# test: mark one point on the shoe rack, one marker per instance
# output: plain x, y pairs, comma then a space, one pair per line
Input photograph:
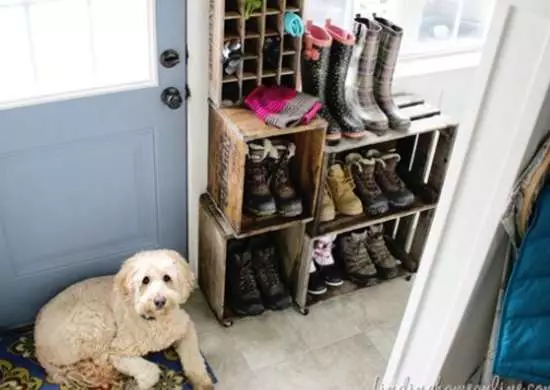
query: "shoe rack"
228, 22
425, 150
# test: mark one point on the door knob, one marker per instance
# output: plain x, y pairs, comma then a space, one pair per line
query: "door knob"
169, 58
172, 98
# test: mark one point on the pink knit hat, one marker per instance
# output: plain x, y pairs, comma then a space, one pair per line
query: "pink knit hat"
282, 107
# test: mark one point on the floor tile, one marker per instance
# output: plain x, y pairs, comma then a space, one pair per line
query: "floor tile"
352, 364
267, 340
326, 323
382, 339
200, 313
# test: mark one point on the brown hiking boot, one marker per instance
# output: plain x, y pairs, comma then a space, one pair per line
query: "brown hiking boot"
289, 204
341, 187
362, 171
257, 196
328, 212
383, 260
394, 188
359, 266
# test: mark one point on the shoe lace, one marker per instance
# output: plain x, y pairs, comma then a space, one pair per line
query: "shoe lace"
343, 185
359, 252
391, 175
378, 247
247, 282
259, 173
267, 269
281, 173
367, 181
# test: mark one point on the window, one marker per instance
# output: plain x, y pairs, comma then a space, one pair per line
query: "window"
431, 26
51, 48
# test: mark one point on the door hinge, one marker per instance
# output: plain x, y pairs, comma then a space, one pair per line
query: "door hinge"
187, 92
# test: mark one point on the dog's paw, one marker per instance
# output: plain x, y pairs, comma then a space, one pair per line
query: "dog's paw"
147, 380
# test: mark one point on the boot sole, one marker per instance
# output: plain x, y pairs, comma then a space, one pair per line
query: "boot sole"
373, 280
317, 293
334, 284
355, 135
258, 213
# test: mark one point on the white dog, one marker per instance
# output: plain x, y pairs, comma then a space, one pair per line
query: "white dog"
101, 327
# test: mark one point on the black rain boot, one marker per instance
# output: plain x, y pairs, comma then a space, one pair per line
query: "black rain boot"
390, 42
370, 113
340, 57
315, 61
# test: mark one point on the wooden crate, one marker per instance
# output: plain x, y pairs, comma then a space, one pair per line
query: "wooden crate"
214, 236
230, 130
227, 21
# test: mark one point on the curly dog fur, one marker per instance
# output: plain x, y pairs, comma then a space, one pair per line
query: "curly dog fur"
98, 329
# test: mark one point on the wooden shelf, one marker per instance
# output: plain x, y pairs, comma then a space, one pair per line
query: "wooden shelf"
292, 9
230, 78
250, 56
287, 71
289, 52
269, 73
272, 11
252, 34
345, 223
253, 226
232, 15
251, 127
418, 126
249, 76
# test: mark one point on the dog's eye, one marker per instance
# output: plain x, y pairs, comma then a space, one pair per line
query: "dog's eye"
167, 278
145, 280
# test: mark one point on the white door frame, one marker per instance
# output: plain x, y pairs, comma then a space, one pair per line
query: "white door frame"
197, 119
513, 82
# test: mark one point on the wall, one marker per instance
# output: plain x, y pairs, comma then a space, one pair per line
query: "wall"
470, 345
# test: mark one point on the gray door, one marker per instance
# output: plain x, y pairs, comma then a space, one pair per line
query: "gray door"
87, 181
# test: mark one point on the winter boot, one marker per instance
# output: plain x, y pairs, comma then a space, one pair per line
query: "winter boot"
359, 266
368, 110
316, 284
322, 256
340, 57
362, 171
328, 212
315, 61
257, 196
394, 188
383, 260
243, 295
289, 204
390, 42
341, 187
266, 263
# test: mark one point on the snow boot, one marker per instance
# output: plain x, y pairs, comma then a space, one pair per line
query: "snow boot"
257, 196
362, 170
289, 203
385, 263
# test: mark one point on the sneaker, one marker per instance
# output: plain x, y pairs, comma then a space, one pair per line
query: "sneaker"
243, 295
362, 171
341, 187
385, 263
386, 176
287, 200
328, 212
265, 264
316, 285
322, 256
257, 196
359, 266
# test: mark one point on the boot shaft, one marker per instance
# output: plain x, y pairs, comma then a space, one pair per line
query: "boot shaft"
282, 153
369, 55
315, 61
378, 250
355, 254
257, 167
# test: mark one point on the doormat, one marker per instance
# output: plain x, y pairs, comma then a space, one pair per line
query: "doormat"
19, 369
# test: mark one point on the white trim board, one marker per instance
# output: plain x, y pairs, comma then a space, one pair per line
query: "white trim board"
514, 81
197, 120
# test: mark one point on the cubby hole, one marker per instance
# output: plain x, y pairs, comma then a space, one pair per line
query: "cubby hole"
248, 87
290, 44
269, 81
271, 55
250, 69
293, 5
272, 25
232, 9
230, 93
252, 48
252, 27
231, 29
274, 6
288, 81
289, 64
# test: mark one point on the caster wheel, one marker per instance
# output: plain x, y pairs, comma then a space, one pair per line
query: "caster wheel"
227, 323
408, 278
304, 311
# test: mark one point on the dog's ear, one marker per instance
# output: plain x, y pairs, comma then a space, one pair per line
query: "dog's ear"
123, 279
186, 278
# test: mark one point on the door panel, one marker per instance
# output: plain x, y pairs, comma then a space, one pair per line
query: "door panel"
85, 183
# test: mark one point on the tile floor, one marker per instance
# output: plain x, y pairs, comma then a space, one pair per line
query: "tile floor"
343, 343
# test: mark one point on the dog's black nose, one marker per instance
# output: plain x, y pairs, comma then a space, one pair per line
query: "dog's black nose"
160, 302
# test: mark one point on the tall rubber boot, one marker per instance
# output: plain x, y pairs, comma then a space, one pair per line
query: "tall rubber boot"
390, 42
340, 57
315, 61
368, 110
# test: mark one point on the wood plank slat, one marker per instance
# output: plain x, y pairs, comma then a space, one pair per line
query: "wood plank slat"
419, 126
403, 100
420, 111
